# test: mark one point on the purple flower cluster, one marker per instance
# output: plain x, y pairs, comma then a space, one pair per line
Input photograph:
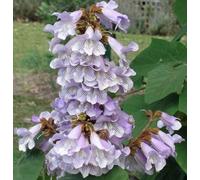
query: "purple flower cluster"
86, 129
151, 149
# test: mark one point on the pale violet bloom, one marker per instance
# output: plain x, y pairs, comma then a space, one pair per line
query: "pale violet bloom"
121, 50
125, 152
45, 115
88, 43
64, 59
66, 26
54, 41
27, 137
119, 125
153, 158
161, 147
170, 140
112, 78
137, 163
95, 157
59, 105
171, 122
75, 91
109, 16
110, 5
177, 138
141, 161
153, 153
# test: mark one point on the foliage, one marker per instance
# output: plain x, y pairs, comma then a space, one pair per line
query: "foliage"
161, 69
29, 166
183, 100
171, 80
180, 9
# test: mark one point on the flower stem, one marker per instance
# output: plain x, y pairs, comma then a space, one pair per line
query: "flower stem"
148, 125
131, 92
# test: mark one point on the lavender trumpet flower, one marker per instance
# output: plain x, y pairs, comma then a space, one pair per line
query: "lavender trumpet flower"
171, 122
66, 26
44, 124
109, 15
151, 149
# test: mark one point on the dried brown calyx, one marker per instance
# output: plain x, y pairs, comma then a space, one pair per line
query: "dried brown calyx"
152, 115
144, 137
87, 128
103, 134
89, 19
48, 127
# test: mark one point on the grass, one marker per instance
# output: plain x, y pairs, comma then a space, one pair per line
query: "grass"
28, 38
33, 80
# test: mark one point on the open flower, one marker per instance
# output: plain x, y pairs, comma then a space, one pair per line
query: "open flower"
84, 151
66, 26
27, 137
151, 149
116, 122
45, 124
153, 158
88, 43
121, 50
171, 122
111, 4
109, 15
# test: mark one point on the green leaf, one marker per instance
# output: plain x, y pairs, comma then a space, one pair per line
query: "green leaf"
159, 52
181, 149
134, 104
29, 166
183, 100
164, 80
108, 52
181, 33
180, 9
114, 174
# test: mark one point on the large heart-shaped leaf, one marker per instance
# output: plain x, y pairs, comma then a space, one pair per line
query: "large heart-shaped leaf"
164, 80
181, 150
159, 52
180, 9
29, 166
183, 100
